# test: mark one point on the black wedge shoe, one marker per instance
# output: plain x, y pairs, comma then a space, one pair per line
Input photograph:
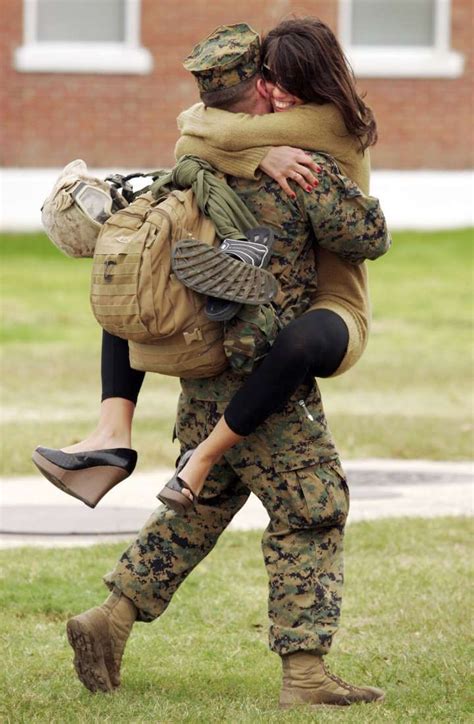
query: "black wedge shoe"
172, 494
87, 476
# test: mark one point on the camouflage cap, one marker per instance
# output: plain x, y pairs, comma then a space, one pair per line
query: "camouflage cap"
228, 56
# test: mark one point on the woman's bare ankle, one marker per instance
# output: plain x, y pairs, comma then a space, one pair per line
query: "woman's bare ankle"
196, 470
114, 427
206, 454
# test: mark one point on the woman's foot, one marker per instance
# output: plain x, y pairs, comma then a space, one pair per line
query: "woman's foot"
114, 428
99, 440
87, 476
194, 473
197, 468
195, 465
179, 494
176, 494
90, 468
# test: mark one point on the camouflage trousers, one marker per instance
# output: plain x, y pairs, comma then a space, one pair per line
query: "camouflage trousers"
290, 463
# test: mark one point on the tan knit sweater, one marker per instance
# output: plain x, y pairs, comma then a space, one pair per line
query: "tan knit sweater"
236, 143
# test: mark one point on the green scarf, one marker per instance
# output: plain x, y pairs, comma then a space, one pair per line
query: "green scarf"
213, 195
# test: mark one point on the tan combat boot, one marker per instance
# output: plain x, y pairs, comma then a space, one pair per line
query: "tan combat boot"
98, 637
306, 681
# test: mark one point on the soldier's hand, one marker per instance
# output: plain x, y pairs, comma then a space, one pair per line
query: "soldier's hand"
283, 163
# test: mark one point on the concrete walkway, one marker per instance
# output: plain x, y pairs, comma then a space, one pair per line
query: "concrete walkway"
34, 512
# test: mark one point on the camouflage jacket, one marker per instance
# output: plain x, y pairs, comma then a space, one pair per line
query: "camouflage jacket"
335, 215
343, 218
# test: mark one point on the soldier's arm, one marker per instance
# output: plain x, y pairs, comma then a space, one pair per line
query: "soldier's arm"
344, 219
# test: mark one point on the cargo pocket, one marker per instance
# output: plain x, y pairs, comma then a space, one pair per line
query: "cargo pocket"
249, 336
318, 496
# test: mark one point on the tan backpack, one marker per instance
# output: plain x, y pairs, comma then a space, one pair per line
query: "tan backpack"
135, 295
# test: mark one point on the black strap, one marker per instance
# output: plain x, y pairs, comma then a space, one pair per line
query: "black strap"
121, 183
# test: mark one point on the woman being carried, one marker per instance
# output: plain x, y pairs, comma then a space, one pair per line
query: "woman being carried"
303, 64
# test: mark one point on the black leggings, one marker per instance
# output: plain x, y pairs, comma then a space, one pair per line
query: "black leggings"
118, 378
313, 345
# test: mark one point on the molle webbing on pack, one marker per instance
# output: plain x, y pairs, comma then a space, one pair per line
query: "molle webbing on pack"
135, 295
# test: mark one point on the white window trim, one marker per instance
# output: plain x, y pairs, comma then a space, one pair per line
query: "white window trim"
437, 61
128, 57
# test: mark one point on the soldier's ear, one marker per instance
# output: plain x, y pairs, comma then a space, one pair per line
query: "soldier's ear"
262, 89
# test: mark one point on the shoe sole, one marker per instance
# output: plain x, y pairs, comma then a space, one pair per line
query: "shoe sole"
208, 270
217, 310
87, 485
178, 502
90, 653
330, 705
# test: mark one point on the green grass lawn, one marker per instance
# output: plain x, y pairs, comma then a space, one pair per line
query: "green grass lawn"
409, 397
405, 628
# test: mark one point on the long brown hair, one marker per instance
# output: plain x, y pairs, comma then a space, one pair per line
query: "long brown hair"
303, 56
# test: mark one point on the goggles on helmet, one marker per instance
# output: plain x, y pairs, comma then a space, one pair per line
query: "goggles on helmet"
93, 202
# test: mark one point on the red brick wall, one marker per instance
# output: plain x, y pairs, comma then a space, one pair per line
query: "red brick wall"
129, 121
427, 123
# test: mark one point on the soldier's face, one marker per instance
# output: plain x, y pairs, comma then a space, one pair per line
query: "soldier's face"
280, 99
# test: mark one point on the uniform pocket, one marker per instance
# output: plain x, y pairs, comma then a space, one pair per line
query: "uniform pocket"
249, 336
318, 496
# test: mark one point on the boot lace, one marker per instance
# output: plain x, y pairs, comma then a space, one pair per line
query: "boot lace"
340, 681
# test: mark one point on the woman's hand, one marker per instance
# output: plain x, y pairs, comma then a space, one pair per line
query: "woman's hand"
284, 162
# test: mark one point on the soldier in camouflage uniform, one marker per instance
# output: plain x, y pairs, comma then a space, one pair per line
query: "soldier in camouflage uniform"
290, 462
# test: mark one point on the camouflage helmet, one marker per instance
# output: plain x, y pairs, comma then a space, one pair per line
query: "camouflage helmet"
228, 56
68, 226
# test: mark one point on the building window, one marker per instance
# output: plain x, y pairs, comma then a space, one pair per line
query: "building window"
399, 38
82, 36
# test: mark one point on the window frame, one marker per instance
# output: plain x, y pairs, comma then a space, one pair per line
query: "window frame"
403, 61
127, 57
